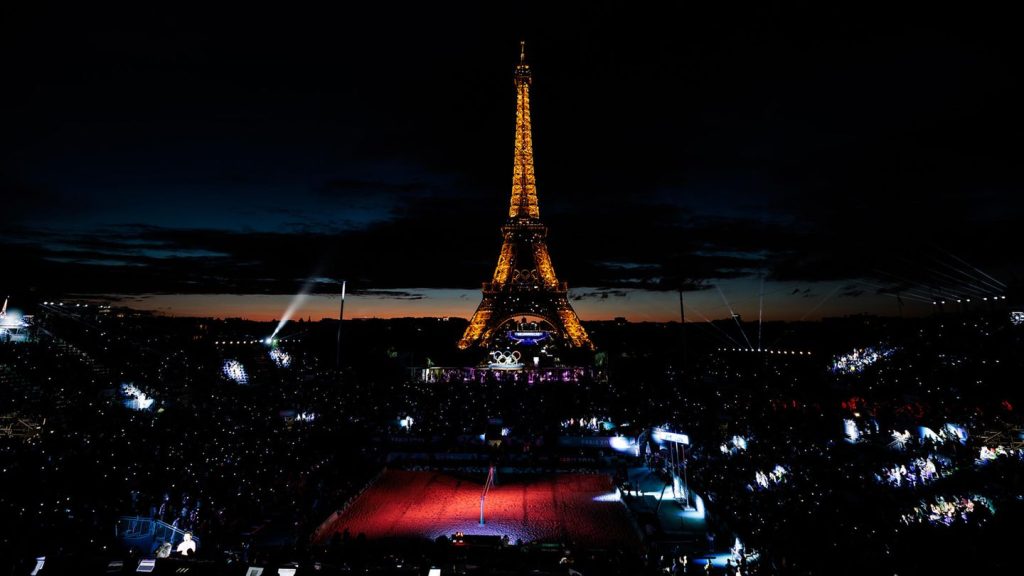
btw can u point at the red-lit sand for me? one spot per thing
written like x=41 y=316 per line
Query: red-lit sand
x=582 y=507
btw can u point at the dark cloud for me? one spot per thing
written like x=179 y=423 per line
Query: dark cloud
x=389 y=294
x=676 y=146
x=602 y=294
x=24 y=200
x=360 y=190
x=439 y=243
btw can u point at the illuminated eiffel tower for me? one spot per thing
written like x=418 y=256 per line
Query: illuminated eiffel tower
x=524 y=281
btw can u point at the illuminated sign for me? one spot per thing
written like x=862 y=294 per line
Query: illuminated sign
x=527 y=337
x=506 y=360
x=673 y=437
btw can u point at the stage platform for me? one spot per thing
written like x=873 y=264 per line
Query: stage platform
x=584 y=509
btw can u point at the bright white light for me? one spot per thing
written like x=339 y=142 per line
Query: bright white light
x=991 y=453
x=664 y=436
x=859 y=359
x=505 y=360
x=254 y=571
x=12 y=320
x=234 y=370
x=281 y=358
x=1017 y=318
x=609 y=497
x=298 y=301
x=286 y=572
x=899 y=439
x=295 y=304
x=850 y=428
x=698 y=512
x=187 y=545
x=134 y=398
x=927 y=433
x=147 y=565
x=956 y=431
x=621 y=444
x=40 y=561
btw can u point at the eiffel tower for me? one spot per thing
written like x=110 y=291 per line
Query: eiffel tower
x=524 y=281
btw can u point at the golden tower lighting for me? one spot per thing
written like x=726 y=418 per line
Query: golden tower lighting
x=524 y=281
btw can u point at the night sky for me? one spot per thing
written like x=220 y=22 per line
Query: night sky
x=204 y=163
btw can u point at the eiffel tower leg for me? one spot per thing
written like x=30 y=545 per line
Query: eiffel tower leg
x=478 y=324
x=571 y=324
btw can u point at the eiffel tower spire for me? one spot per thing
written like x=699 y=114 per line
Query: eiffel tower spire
x=524 y=281
x=524 y=187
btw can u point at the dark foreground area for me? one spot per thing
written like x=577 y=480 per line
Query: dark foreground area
x=851 y=446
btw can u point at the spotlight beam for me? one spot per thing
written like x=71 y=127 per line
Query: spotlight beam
x=733 y=314
x=971 y=277
x=901 y=294
x=1002 y=286
x=932 y=290
x=294 y=306
x=341 y=318
x=760 y=314
x=820 y=302
x=715 y=326
x=965 y=286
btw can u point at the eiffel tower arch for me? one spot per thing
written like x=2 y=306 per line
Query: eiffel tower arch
x=524 y=283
